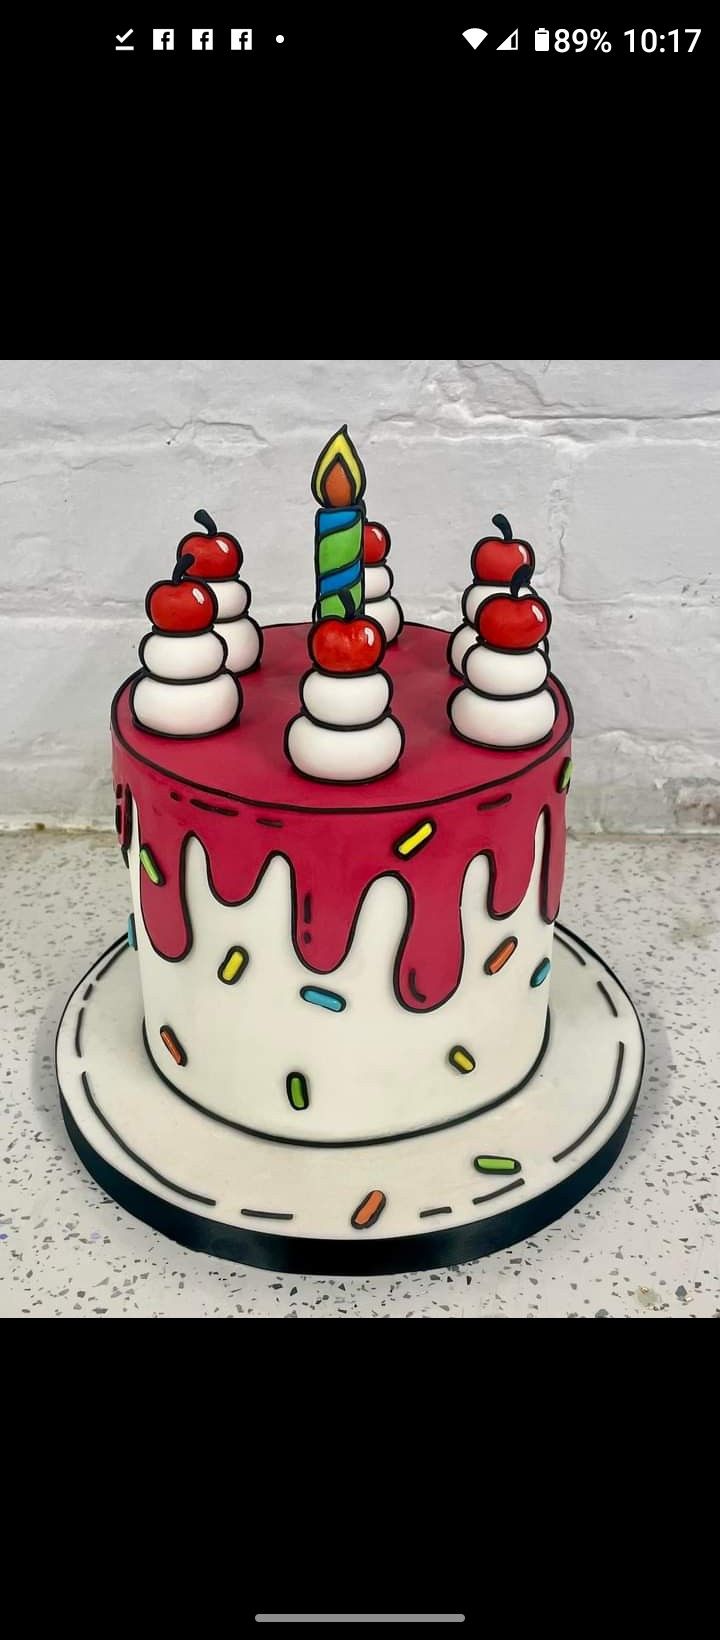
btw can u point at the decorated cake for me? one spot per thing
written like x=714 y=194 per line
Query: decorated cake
x=344 y=1031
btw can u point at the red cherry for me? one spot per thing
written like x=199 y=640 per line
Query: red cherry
x=181 y=606
x=513 y=623
x=215 y=557
x=376 y=543
x=497 y=561
x=347 y=646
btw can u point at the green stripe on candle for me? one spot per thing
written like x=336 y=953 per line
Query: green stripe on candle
x=340 y=548
x=333 y=605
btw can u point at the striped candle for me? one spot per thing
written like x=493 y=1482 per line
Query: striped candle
x=338 y=483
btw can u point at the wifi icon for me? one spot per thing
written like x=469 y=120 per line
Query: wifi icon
x=475 y=37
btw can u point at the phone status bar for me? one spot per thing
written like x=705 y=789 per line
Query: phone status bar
x=599 y=43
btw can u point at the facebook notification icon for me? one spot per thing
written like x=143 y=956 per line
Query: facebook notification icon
x=163 y=39
x=202 y=39
x=241 y=39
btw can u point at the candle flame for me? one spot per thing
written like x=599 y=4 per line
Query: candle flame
x=339 y=476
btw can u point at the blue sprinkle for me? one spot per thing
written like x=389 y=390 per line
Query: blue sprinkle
x=541 y=972
x=132 y=936
x=323 y=999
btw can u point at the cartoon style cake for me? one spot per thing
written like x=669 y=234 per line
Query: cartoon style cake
x=343 y=1032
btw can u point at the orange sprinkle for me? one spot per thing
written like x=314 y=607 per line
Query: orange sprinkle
x=369 y=1210
x=173 y=1046
x=501 y=955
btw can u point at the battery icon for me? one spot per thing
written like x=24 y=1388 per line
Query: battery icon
x=542 y=39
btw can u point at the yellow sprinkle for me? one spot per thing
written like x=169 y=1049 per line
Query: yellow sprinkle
x=462 y=1060
x=233 y=965
x=415 y=840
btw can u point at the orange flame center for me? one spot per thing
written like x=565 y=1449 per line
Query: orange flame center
x=338 y=489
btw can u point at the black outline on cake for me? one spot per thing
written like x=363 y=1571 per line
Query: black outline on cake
x=379 y=1255
x=190 y=1195
x=351 y=1144
x=601 y=1114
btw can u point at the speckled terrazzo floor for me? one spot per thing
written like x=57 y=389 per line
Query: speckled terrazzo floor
x=646 y=1242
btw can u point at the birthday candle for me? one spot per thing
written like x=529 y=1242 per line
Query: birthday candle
x=338 y=484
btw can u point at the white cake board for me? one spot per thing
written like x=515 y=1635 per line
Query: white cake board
x=290 y=1207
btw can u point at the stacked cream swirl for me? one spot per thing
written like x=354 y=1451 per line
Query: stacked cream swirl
x=184 y=688
x=379 y=582
x=216 y=559
x=505 y=701
x=345 y=731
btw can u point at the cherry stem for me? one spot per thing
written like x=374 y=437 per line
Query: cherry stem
x=183 y=564
x=501 y=524
x=521 y=578
x=208 y=523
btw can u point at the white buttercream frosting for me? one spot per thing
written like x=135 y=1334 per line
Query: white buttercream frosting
x=243 y=642
x=186 y=708
x=464 y=638
x=192 y=655
x=503 y=722
x=346 y=701
x=496 y=672
x=359 y=1063
x=378 y=581
x=344 y=755
x=388 y=614
x=233 y=598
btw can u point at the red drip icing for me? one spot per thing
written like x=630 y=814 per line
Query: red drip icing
x=340 y=839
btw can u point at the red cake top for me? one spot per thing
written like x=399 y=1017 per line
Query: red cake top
x=246 y=763
x=446 y=803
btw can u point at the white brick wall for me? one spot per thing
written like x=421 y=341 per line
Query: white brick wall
x=610 y=466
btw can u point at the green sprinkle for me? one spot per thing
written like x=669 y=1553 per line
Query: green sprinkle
x=497 y=1164
x=565 y=775
x=297 y=1090
x=153 y=870
x=541 y=972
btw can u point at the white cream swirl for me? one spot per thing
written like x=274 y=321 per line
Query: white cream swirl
x=503 y=723
x=384 y=609
x=238 y=629
x=190 y=709
x=350 y=701
x=185 y=689
x=345 y=731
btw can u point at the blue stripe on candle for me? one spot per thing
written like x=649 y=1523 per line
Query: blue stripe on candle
x=331 y=520
x=340 y=578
